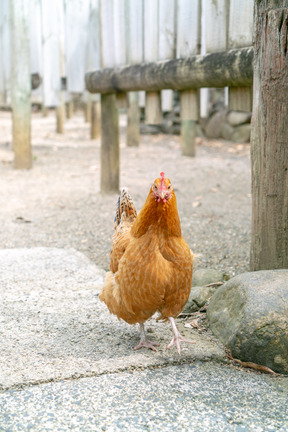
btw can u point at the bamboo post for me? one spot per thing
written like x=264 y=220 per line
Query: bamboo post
x=21 y=84
x=133 y=120
x=110 y=164
x=95 y=120
x=189 y=119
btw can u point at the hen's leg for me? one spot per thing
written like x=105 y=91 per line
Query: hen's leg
x=177 y=338
x=144 y=342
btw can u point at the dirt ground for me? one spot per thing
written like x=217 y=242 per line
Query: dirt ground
x=58 y=202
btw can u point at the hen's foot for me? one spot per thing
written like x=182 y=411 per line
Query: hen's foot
x=177 y=338
x=144 y=342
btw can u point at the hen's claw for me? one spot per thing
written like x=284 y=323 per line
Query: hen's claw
x=177 y=338
x=144 y=342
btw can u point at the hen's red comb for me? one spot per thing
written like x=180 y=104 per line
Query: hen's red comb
x=162 y=180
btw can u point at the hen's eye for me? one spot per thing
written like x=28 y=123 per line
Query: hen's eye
x=155 y=187
x=169 y=187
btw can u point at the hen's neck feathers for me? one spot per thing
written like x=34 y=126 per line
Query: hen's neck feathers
x=164 y=216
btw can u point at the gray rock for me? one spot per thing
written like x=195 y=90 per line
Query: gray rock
x=206 y=276
x=227 y=131
x=198 y=298
x=249 y=314
x=242 y=133
x=214 y=124
x=236 y=118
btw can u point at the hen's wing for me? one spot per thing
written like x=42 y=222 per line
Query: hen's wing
x=125 y=216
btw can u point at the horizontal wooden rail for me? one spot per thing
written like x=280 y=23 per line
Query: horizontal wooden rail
x=232 y=68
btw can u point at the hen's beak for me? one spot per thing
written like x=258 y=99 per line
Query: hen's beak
x=162 y=195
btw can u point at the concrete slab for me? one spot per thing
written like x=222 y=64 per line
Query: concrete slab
x=202 y=397
x=53 y=326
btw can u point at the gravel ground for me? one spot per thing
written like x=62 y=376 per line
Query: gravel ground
x=58 y=202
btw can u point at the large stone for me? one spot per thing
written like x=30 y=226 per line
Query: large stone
x=249 y=314
x=198 y=297
x=242 y=133
x=236 y=118
x=206 y=276
x=214 y=124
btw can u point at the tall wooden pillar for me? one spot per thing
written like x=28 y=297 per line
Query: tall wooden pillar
x=269 y=137
x=21 y=84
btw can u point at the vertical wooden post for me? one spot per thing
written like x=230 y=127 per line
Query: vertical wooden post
x=134 y=55
x=21 y=84
x=88 y=108
x=240 y=35
x=61 y=113
x=95 y=120
x=69 y=108
x=153 y=112
x=189 y=119
x=153 y=108
x=188 y=43
x=133 y=120
x=110 y=165
x=269 y=155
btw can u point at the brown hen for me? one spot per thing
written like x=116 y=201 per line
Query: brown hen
x=151 y=264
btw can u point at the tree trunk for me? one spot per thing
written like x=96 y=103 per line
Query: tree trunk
x=269 y=138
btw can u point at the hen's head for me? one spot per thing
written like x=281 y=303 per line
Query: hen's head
x=162 y=189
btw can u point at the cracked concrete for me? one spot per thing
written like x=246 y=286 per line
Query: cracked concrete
x=67 y=364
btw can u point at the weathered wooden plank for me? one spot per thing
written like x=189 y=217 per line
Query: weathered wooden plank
x=21 y=84
x=153 y=114
x=188 y=43
x=133 y=120
x=240 y=35
x=134 y=56
x=166 y=43
x=269 y=155
x=95 y=120
x=110 y=153
x=233 y=68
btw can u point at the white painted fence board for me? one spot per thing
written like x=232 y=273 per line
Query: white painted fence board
x=93 y=42
x=188 y=28
x=51 y=55
x=166 y=49
x=135 y=31
x=216 y=18
x=5 y=57
x=151 y=29
x=120 y=30
x=107 y=57
x=77 y=24
x=240 y=23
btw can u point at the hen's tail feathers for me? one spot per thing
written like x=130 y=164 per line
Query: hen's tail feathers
x=125 y=209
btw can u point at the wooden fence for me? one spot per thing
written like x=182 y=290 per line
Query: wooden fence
x=229 y=68
x=69 y=38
